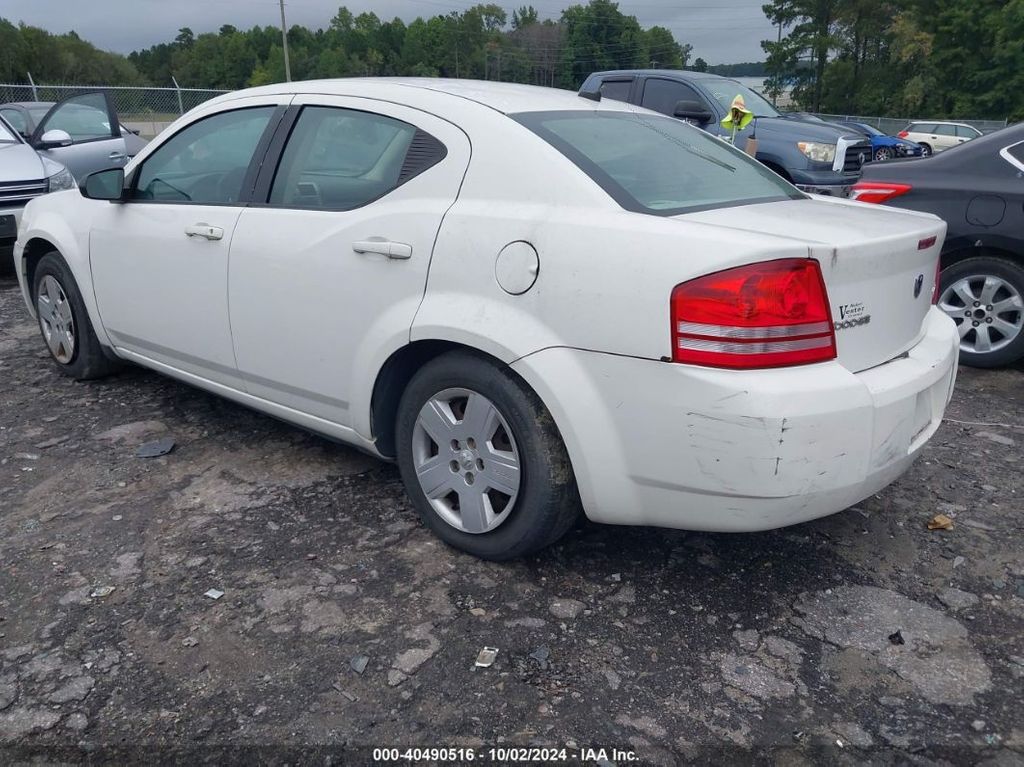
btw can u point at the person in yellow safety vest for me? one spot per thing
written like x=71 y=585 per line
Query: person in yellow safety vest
x=739 y=117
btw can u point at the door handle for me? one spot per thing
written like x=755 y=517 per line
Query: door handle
x=396 y=250
x=116 y=155
x=205 y=231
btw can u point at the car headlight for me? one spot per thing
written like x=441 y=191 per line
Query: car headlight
x=61 y=180
x=817 y=152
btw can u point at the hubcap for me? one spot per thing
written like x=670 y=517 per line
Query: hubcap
x=56 y=320
x=466 y=460
x=988 y=311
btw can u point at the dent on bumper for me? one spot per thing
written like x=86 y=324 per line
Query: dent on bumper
x=694 y=448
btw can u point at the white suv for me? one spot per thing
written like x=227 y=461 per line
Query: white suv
x=935 y=136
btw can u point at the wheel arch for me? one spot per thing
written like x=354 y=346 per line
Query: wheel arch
x=957 y=251
x=34 y=250
x=775 y=166
x=396 y=373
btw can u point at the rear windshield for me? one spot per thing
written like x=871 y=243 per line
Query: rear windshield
x=658 y=165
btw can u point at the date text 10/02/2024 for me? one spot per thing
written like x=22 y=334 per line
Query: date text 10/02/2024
x=504 y=754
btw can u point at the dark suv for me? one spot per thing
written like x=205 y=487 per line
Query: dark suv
x=816 y=156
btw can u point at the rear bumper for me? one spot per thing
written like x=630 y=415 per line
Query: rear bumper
x=656 y=443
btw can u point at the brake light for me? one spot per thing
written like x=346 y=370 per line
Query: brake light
x=770 y=314
x=903 y=134
x=877 y=191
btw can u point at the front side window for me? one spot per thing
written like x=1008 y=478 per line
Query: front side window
x=964 y=131
x=657 y=165
x=340 y=159
x=663 y=95
x=84 y=118
x=724 y=91
x=617 y=90
x=206 y=162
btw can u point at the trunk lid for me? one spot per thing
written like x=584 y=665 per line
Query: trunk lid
x=878 y=265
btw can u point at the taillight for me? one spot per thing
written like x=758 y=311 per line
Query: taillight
x=764 y=315
x=877 y=191
x=938 y=274
x=903 y=134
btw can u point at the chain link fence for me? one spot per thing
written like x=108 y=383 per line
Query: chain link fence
x=893 y=125
x=147 y=110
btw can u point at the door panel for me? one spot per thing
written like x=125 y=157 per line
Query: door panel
x=319 y=296
x=160 y=260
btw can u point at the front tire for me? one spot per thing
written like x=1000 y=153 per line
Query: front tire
x=985 y=297
x=64 y=322
x=482 y=460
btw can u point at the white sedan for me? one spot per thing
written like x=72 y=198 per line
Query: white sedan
x=535 y=303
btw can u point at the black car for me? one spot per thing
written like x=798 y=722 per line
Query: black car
x=978 y=188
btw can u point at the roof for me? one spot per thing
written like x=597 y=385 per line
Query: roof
x=507 y=98
x=940 y=122
x=676 y=74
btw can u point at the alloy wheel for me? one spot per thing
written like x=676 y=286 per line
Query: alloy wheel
x=466 y=460
x=883 y=153
x=56 y=319
x=988 y=311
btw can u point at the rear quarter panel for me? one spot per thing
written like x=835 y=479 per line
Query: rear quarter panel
x=605 y=275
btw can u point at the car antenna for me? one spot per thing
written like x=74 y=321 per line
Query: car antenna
x=592 y=95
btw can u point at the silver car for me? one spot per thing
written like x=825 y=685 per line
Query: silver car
x=81 y=132
x=24 y=174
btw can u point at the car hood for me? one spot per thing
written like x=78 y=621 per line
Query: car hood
x=805 y=130
x=19 y=162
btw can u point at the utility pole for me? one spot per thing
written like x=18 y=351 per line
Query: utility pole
x=284 y=39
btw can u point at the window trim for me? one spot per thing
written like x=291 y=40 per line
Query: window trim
x=279 y=143
x=1005 y=154
x=248 y=180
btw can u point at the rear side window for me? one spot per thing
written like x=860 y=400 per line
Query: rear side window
x=657 y=165
x=340 y=159
x=944 y=130
x=922 y=128
x=617 y=90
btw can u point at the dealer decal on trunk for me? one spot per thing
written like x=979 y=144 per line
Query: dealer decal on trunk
x=851 y=316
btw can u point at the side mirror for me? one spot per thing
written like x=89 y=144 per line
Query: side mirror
x=54 y=138
x=692 y=110
x=104 y=185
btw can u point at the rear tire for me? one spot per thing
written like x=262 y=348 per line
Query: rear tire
x=926 y=150
x=884 y=153
x=64 y=322
x=466 y=426
x=985 y=297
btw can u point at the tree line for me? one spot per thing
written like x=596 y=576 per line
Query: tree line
x=939 y=58
x=482 y=42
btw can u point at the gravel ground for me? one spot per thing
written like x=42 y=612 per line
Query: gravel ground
x=344 y=623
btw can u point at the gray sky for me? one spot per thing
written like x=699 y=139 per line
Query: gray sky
x=721 y=31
